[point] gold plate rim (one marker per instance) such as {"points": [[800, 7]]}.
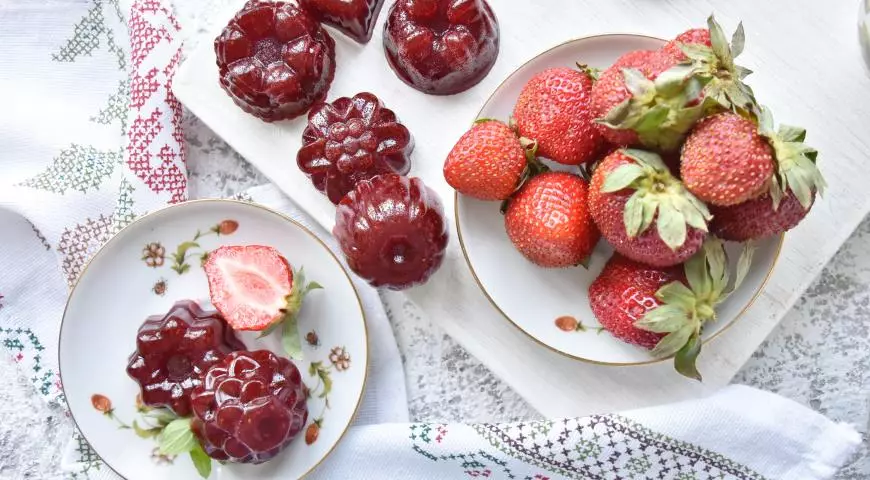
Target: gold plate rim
{"points": [[517, 325], [281, 216]]}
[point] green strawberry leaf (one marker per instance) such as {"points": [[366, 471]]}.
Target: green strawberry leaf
{"points": [[201, 461], [290, 338], [717, 262], [697, 52], [650, 124], [694, 217], [650, 206], [622, 177], [719, 42], [671, 227], [744, 263], [676, 293], [684, 361], [673, 342], [633, 216], [636, 82], [738, 41], [617, 115], [270, 329], [663, 319], [646, 159], [789, 133], [177, 438], [698, 276], [776, 193], [743, 72], [594, 73], [670, 82]]}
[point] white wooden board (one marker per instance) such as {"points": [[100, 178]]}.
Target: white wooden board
{"points": [[809, 71]]}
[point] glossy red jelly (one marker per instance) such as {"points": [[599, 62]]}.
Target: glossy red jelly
{"points": [[354, 18], [249, 407], [174, 350], [275, 61], [441, 47], [350, 140], [392, 231]]}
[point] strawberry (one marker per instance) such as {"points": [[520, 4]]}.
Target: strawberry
{"points": [[548, 220], [695, 36], [709, 57], [788, 196], [665, 309], [644, 99], [555, 109], [488, 161], [725, 160], [254, 288], [728, 160], [624, 291], [757, 218], [633, 189]]}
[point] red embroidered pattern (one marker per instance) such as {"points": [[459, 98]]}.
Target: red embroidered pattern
{"points": [[155, 152]]}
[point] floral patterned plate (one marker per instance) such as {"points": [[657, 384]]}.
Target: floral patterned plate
{"points": [[560, 317], [155, 262]]}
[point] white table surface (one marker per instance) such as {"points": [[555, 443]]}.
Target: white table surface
{"points": [[809, 71]]}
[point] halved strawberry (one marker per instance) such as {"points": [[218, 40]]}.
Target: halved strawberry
{"points": [[254, 288], [249, 285]]}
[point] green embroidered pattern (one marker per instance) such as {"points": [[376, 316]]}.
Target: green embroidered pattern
{"points": [[41, 237], [79, 243], [79, 168], [591, 448], [87, 34], [28, 350], [116, 107], [123, 214], [87, 458]]}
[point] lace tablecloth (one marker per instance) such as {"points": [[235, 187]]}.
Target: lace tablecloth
{"points": [[819, 356]]}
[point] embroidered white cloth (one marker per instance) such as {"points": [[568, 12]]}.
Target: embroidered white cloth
{"points": [[739, 433], [91, 139]]}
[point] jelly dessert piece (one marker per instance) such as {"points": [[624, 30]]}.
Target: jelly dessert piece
{"points": [[355, 18], [249, 407], [441, 47], [174, 350], [275, 61], [352, 139], [392, 231]]}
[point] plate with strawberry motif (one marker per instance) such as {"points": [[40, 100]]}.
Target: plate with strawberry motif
{"points": [[168, 369], [552, 305]]}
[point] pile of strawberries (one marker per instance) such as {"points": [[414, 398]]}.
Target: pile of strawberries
{"points": [[669, 152]]}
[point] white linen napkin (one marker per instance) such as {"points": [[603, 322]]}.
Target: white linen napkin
{"points": [[739, 433]]}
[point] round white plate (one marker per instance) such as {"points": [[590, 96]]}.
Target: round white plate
{"points": [[118, 290], [533, 298]]}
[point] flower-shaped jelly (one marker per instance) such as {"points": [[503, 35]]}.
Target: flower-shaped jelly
{"points": [[275, 61], [352, 139], [249, 407], [174, 350], [441, 47], [355, 18], [392, 231]]}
